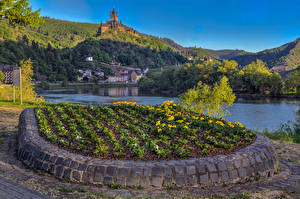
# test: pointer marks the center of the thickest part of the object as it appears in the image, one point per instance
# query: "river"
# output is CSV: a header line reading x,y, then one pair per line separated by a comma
x,y
254,114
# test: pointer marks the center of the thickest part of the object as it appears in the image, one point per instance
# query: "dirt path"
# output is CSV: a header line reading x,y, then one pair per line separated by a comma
x,y
284,185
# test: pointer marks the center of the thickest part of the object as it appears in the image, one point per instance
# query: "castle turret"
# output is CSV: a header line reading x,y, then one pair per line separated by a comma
x,y
114,16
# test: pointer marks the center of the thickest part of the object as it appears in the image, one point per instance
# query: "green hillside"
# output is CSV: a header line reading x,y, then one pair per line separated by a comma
x,y
285,55
58,48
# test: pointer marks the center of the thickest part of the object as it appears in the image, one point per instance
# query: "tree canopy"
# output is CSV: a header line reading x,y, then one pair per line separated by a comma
x,y
211,100
19,12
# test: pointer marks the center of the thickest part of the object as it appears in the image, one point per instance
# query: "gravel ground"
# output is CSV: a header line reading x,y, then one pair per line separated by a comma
x,y
283,185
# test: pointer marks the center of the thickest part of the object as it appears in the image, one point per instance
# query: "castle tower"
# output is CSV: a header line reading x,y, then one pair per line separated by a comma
x,y
114,16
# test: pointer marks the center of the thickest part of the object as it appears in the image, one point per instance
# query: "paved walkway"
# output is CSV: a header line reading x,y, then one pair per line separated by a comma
x,y
11,190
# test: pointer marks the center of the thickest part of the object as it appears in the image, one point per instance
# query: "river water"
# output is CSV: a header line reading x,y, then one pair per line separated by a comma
x,y
254,114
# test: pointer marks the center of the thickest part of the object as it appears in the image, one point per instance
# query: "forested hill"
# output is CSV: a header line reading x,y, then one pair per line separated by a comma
x,y
285,55
58,48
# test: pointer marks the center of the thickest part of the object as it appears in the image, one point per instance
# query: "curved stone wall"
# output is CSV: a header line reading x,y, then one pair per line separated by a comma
x,y
253,162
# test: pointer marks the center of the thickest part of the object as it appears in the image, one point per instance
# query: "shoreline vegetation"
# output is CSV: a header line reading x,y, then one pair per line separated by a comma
x,y
289,132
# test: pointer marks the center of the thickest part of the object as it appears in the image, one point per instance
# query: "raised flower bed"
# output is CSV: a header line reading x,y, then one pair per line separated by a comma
x,y
131,144
127,130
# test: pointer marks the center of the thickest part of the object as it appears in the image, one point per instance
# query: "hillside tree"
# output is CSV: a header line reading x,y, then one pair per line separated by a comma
x,y
19,12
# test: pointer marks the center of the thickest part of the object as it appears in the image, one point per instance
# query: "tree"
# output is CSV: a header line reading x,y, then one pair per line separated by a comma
x,y
293,82
256,77
2,77
27,85
213,101
227,66
18,12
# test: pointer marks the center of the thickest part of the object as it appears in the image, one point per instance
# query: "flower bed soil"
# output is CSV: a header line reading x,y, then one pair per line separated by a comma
x,y
130,131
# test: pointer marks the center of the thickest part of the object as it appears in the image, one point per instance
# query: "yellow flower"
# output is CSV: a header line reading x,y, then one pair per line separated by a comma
x,y
158,109
179,121
201,118
230,124
239,124
159,130
188,123
220,123
157,123
210,121
163,124
195,117
186,127
171,118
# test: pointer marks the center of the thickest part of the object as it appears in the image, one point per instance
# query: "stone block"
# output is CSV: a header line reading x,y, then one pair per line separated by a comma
x,y
221,166
107,180
180,180
120,181
76,175
67,174
233,174
145,182
229,165
157,181
167,181
258,158
147,172
190,170
168,171
59,171
98,177
201,169
74,165
67,162
111,171
192,180
237,163
100,169
130,181
124,172
59,161
242,172
214,177
224,176
157,171
245,163
87,177
82,167
137,171
204,179
179,170
211,167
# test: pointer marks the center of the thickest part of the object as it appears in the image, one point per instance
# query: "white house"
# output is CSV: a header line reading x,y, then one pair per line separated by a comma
x,y
89,58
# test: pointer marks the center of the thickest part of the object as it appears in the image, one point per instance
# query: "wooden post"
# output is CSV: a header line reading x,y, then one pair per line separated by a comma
x,y
21,100
14,93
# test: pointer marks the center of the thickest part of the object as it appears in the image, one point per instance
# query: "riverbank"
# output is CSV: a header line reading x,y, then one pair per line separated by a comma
x,y
11,168
260,96
54,86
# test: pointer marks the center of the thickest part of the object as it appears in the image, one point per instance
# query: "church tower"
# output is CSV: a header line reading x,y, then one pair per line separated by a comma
x,y
114,16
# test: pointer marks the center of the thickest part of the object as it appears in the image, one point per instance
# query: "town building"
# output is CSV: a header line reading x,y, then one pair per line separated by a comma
x,y
8,73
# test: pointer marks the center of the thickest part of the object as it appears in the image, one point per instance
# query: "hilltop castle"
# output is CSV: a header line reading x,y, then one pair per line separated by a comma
x,y
114,24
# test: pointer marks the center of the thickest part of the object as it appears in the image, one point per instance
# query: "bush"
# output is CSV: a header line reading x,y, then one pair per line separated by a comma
x,y
286,132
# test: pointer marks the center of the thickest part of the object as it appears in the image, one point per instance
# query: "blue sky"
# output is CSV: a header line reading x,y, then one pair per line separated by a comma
x,y
251,25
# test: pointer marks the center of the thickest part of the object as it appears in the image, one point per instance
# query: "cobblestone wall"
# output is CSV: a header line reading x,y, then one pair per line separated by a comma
x,y
253,162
